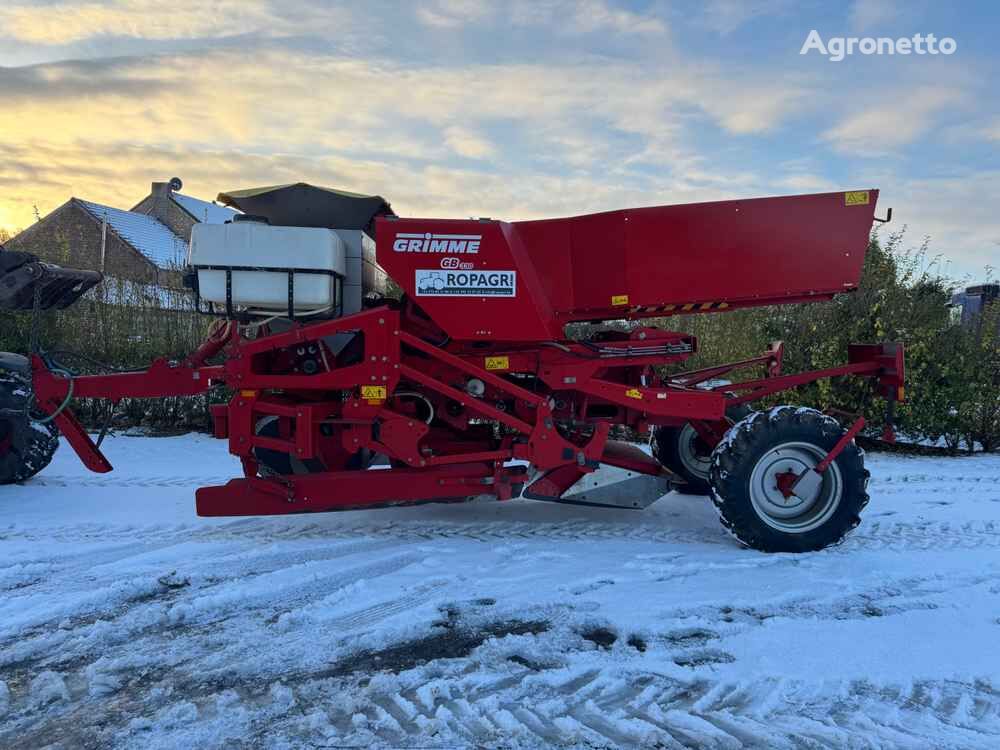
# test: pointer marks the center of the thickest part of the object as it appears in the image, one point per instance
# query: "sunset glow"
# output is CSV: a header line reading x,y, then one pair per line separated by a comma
x,y
513,110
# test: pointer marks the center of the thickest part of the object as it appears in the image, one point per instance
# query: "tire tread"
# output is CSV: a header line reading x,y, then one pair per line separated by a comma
x,y
733,460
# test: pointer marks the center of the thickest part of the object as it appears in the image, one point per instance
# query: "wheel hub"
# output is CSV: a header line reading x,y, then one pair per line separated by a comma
x,y
785,505
785,482
694,453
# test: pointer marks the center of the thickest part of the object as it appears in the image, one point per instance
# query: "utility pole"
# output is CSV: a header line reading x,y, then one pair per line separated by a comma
x,y
104,239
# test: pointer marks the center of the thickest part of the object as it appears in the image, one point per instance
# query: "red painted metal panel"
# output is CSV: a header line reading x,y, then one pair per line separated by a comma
x,y
742,251
474,278
346,490
765,248
630,263
599,260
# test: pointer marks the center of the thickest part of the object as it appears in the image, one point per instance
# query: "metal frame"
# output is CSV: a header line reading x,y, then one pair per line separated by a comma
x,y
331,415
497,372
230,313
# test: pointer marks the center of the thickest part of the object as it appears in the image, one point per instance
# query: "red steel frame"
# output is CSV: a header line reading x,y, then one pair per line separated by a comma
x,y
456,390
570,385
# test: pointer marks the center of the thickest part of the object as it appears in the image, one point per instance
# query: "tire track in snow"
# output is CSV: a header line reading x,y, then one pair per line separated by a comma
x,y
888,597
915,480
876,534
485,531
921,535
287,580
641,710
368,616
878,479
283,590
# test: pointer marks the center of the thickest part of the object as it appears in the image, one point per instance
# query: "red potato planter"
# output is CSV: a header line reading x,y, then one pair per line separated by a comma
x,y
468,385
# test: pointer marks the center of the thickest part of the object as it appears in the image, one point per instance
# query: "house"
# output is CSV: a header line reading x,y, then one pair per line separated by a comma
x,y
146,244
970,304
180,212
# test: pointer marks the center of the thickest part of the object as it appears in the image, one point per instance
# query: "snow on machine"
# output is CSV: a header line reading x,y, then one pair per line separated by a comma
x,y
467,385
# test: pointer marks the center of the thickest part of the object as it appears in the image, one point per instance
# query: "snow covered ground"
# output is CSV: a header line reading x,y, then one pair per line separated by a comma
x,y
126,621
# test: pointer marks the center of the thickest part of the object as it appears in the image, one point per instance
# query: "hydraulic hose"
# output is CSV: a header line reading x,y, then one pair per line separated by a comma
x,y
63,405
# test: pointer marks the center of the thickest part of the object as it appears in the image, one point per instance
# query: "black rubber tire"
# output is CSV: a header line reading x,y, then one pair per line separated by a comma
x,y
667,446
28,446
747,442
275,463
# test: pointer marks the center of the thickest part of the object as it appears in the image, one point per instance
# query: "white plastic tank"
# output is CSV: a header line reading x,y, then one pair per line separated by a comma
x,y
253,245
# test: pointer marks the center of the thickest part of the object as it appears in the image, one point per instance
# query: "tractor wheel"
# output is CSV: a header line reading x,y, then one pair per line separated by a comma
x,y
766,450
276,463
683,452
26,447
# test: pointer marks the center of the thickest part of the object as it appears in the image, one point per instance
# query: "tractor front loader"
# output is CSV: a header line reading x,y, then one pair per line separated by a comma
x,y
467,385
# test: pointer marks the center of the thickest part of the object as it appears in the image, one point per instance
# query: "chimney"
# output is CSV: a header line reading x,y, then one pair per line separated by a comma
x,y
164,189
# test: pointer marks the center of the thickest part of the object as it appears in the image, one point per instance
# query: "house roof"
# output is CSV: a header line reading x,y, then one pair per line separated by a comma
x,y
147,235
204,211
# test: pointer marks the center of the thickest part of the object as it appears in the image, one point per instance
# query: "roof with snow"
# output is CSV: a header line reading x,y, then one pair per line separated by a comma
x,y
147,235
204,211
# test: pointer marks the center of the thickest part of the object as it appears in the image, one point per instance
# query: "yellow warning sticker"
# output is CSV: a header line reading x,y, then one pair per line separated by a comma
x,y
856,198
498,363
373,392
634,393
619,299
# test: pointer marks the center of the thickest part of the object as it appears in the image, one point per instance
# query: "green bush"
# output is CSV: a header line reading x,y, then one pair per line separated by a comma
x,y
124,325
952,372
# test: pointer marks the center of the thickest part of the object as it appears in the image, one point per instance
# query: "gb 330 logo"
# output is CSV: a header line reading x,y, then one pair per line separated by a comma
x,y
454,264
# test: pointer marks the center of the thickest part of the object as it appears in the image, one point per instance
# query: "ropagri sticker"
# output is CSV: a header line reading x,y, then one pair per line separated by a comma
x,y
446,283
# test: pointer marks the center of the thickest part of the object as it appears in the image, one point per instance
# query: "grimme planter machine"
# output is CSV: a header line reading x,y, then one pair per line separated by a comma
x,y
467,385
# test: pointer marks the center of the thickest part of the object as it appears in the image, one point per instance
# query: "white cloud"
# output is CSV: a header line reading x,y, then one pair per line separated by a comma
x,y
271,101
803,182
992,131
450,14
68,21
726,16
892,123
872,14
757,107
594,15
576,131
595,124
466,143
581,17
955,212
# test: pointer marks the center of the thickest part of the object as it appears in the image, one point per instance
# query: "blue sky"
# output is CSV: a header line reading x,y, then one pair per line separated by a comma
x,y
513,110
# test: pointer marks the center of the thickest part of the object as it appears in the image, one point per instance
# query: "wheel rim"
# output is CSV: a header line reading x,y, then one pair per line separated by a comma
x,y
692,452
794,514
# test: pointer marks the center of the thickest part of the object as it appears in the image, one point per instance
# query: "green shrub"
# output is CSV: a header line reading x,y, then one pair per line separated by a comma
x,y
127,326
952,372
